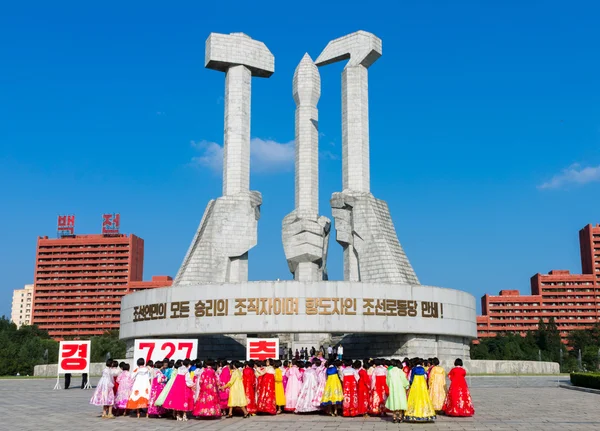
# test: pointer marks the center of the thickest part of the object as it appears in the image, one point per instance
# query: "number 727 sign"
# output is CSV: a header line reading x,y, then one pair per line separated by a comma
x,y
157,350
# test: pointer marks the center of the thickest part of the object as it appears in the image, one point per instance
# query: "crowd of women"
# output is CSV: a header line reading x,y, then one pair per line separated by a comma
x,y
411,390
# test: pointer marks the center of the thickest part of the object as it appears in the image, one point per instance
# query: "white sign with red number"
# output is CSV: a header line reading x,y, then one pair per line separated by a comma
x,y
262,348
157,350
74,357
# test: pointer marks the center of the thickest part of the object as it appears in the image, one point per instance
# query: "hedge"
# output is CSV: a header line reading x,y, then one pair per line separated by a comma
x,y
586,380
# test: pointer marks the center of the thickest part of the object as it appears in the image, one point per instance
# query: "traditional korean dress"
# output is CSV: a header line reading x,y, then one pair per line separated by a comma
x,y
181,397
237,396
266,392
397,384
333,393
104,394
293,388
437,387
284,371
458,401
170,374
158,384
208,403
364,390
350,405
125,381
322,381
279,391
249,379
419,407
308,392
224,377
379,390
140,391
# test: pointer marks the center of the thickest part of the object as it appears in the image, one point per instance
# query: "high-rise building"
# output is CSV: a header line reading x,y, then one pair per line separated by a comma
x,y
573,300
21,305
80,279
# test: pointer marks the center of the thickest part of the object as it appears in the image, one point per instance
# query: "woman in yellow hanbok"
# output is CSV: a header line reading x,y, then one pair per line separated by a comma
x,y
437,385
279,389
419,408
237,395
333,395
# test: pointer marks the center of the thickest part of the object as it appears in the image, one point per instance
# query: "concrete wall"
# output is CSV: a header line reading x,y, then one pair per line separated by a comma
x,y
456,318
506,367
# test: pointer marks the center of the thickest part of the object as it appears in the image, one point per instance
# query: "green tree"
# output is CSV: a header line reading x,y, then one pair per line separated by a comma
x,y
107,343
23,348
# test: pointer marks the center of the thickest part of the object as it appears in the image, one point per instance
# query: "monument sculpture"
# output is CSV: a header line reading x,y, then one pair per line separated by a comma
x,y
228,229
305,234
380,308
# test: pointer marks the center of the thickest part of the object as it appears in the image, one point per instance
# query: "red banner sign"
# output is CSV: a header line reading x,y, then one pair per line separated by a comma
x,y
262,348
157,350
66,225
111,223
74,357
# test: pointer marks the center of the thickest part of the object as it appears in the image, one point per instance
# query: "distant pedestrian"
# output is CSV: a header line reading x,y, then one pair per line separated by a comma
x,y
330,353
340,352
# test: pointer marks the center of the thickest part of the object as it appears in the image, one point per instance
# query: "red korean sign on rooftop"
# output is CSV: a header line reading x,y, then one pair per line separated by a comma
x,y
111,223
262,348
66,225
74,357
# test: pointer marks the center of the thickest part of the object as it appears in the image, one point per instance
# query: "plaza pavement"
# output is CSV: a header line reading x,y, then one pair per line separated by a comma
x,y
537,404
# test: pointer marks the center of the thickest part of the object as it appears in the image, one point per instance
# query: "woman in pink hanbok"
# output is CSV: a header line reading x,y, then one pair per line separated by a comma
x,y
293,387
208,404
308,391
125,381
158,384
224,374
181,396
321,372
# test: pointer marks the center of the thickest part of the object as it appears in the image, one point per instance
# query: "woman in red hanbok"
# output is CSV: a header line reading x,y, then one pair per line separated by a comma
x,y
379,388
249,380
363,389
208,404
458,401
350,384
265,402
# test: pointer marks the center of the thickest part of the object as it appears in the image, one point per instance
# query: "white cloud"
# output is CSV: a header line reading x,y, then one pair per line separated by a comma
x,y
266,156
574,174
211,155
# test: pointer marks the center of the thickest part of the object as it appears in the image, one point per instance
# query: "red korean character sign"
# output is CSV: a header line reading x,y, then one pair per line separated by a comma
x,y
157,350
65,225
262,348
74,357
111,223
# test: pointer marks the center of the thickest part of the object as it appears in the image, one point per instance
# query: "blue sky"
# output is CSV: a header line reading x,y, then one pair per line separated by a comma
x,y
485,128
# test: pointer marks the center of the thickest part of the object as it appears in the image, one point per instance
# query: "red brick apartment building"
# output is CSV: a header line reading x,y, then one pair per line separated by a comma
x,y
80,279
572,299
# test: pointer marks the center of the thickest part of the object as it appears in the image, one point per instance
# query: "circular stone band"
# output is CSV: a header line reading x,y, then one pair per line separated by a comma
x,y
297,307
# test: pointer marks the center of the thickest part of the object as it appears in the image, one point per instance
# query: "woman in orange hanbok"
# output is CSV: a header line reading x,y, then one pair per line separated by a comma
x,y
458,401
437,385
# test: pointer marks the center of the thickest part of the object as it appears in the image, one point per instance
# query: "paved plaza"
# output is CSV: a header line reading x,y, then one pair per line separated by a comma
x,y
537,404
